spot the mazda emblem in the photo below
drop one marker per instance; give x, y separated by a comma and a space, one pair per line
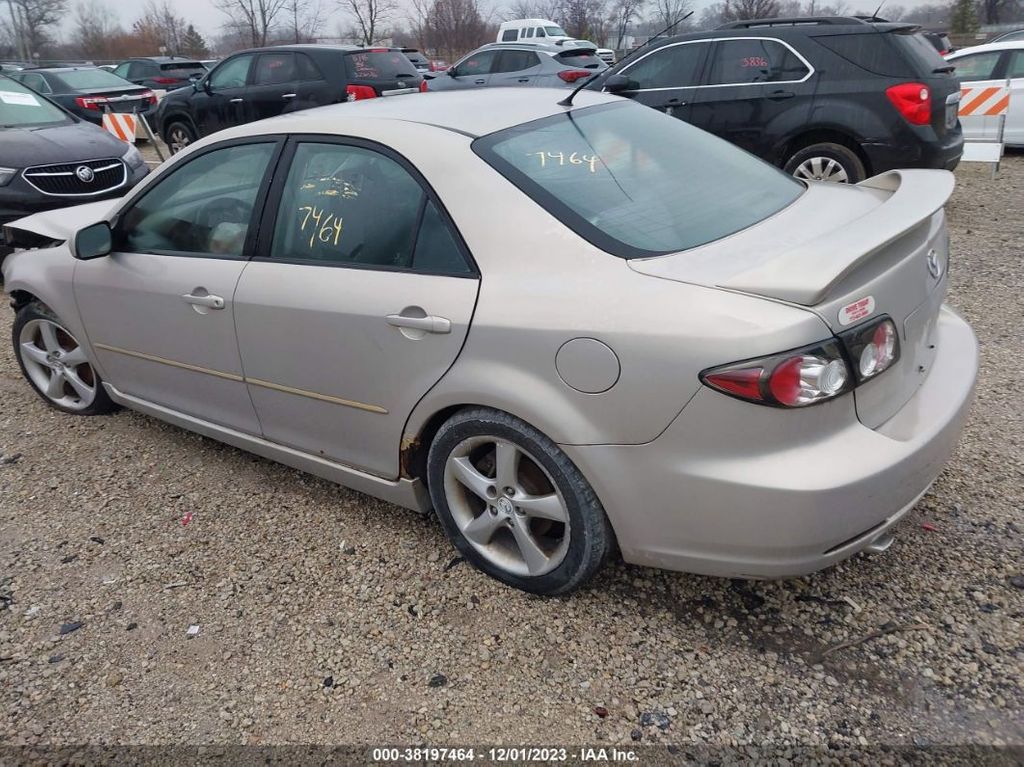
934, 265
85, 174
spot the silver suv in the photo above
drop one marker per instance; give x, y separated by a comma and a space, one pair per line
522, 64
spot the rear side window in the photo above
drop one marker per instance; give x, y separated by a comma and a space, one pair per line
871, 51
919, 52
35, 82
754, 61
516, 61
308, 70
580, 59
675, 66
977, 66
378, 65
636, 182
275, 68
1016, 65
509, 36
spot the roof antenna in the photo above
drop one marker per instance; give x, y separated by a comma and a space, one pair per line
567, 101
874, 16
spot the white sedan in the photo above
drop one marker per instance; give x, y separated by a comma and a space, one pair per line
993, 66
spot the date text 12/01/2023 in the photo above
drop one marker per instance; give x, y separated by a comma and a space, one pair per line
512, 754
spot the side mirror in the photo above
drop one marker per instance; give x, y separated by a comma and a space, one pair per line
451, 72
94, 241
619, 83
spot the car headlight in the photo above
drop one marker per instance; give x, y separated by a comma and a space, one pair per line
133, 157
6, 174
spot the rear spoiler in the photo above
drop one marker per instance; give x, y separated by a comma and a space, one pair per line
806, 274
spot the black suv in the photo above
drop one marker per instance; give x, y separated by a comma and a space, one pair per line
835, 98
162, 73
261, 83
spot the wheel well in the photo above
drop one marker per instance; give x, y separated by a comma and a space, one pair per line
20, 298
176, 117
413, 455
823, 136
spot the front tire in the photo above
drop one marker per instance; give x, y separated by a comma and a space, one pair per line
178, 135
514, 505
55, 364
826, 162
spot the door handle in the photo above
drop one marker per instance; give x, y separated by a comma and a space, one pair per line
524, 79
780, 95
430, 324
479, 82
236, 101
288, 96
208, 301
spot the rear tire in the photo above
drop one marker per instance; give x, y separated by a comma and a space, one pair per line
55, 365
826, 162
178, 135
514, 505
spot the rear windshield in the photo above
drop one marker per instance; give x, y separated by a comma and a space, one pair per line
920, 53
585, 59
20, 106
378, 65
634, 181
182, 70
416, 57
84, 79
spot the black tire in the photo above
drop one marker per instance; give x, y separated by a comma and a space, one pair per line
849, 161
177, 135
590, 536
101, 403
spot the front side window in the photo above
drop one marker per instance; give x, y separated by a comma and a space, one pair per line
476, 63
509, 36
232, 73
350, 205
978, 66
275, 68
754, 61
203, 208
674, 66
636, 182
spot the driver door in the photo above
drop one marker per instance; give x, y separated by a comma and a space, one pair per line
160, 307
474, 71
222, 99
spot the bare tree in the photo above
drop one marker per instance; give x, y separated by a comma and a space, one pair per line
370, 16
93, 30
305, 19
737, 10
33, 21
454, 27
254, 18
624, 13
160, 22
667, 12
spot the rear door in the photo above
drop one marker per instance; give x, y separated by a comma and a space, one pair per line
515, 67
666, 79
752, 84
274, 85
979, 72
1015, 117
313, 89
357, 303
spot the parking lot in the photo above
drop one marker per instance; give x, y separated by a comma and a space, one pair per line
160, 587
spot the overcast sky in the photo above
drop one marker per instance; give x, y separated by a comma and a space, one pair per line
208, 20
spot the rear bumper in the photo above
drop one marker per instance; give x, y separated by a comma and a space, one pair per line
916, 153
739, 490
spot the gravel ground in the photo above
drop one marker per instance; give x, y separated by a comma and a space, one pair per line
325, 616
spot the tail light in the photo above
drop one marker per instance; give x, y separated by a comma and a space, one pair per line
165, 80
423, 87
572, 75
91, 102
913, 101
360, 92
148, 96
812, 374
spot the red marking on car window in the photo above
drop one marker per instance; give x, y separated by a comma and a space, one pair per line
754, 61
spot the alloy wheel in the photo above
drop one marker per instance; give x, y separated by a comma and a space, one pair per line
178, 139
507, 506
822, 169
56, 363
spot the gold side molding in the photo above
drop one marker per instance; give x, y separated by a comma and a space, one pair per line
241, 379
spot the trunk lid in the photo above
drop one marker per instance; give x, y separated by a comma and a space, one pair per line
849, 254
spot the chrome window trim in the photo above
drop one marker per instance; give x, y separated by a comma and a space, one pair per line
25, 174
806, 63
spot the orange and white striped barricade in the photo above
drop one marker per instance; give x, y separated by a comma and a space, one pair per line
980, 104
121, 124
